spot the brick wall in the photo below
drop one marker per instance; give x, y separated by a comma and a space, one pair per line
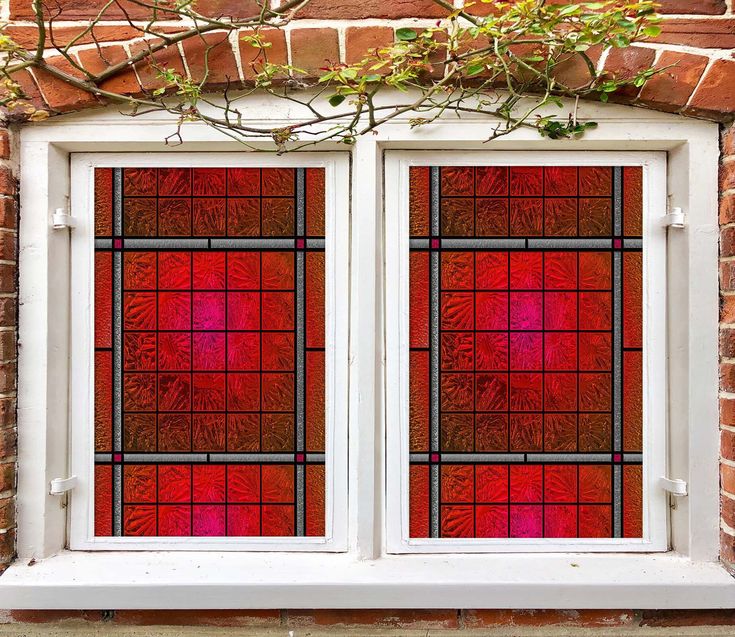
698, 37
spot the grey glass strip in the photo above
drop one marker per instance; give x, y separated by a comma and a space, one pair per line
253, 244
117, 375
434, 351
419, 244
117, 489
103, 244
300, 351
632, 457
618, 501
117, 201
300, 201
570, 244
315, 244
166, 457
617, 352
434, 498
569, 457
300, 500
316, 457
263, 458
434, 177
634, 244
169, 244
618, 200
482, 457
482, 244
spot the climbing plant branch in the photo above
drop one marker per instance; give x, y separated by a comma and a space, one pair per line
514, 65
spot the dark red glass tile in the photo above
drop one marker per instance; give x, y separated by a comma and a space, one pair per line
208, 217
174, 432
174, 270
209, 182
103, 401
139, 520
174, 182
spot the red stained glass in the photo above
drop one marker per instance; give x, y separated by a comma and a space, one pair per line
526, 357
210, 353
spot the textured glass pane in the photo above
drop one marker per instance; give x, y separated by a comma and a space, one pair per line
209, 360
526, 352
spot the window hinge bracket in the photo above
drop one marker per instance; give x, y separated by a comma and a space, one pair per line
675, 219
60, 486
61, 219
674, 487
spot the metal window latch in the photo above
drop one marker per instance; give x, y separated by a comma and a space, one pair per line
675, 219
61, 219
674, 487
60, 486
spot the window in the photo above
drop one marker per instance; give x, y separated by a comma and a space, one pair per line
207, 546
529, 292
211, 289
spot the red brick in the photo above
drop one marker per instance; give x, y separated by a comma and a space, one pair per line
586, 618
47, 616
727, 242
84, 9
361, 42
8, 315
7, 476
360, 9
727, 377
99, 59
727, 309
8, 184
7, 514
714, 97
727, 446
59, 94
7, 413
8, 440
8, 213
727, 510
7, 546
209, 57
8, 274
727, 412
253, 59
727, 478
166, 58
727, 551
222, 618
701, 33
314, 49
728, 141
27, 36
727, 342
671, 89
625, 64
727, 209
8, 350
682, 618
233, 9
727, 175
692, 7
573, 71
405, 619
4, 143
8, 246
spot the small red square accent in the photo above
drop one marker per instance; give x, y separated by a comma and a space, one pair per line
118, 244
118, 457
618, 457
435, 243
435, 457
617, 244
300, 457
300, 244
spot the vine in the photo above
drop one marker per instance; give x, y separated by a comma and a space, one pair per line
511, 65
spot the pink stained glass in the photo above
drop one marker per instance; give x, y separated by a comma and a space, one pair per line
524, 347
200, 351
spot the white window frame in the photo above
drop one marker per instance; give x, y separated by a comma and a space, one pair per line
47, 575
655, 500
337, 174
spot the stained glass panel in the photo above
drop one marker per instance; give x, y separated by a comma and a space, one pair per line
526, 352
209, 352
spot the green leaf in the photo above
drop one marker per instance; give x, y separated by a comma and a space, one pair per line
604, 97
652, 31
474, 69
372, 78
406, 35
336, 99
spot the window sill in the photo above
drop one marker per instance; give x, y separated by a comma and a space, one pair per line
240, 580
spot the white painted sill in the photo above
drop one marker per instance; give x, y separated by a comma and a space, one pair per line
245, 581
